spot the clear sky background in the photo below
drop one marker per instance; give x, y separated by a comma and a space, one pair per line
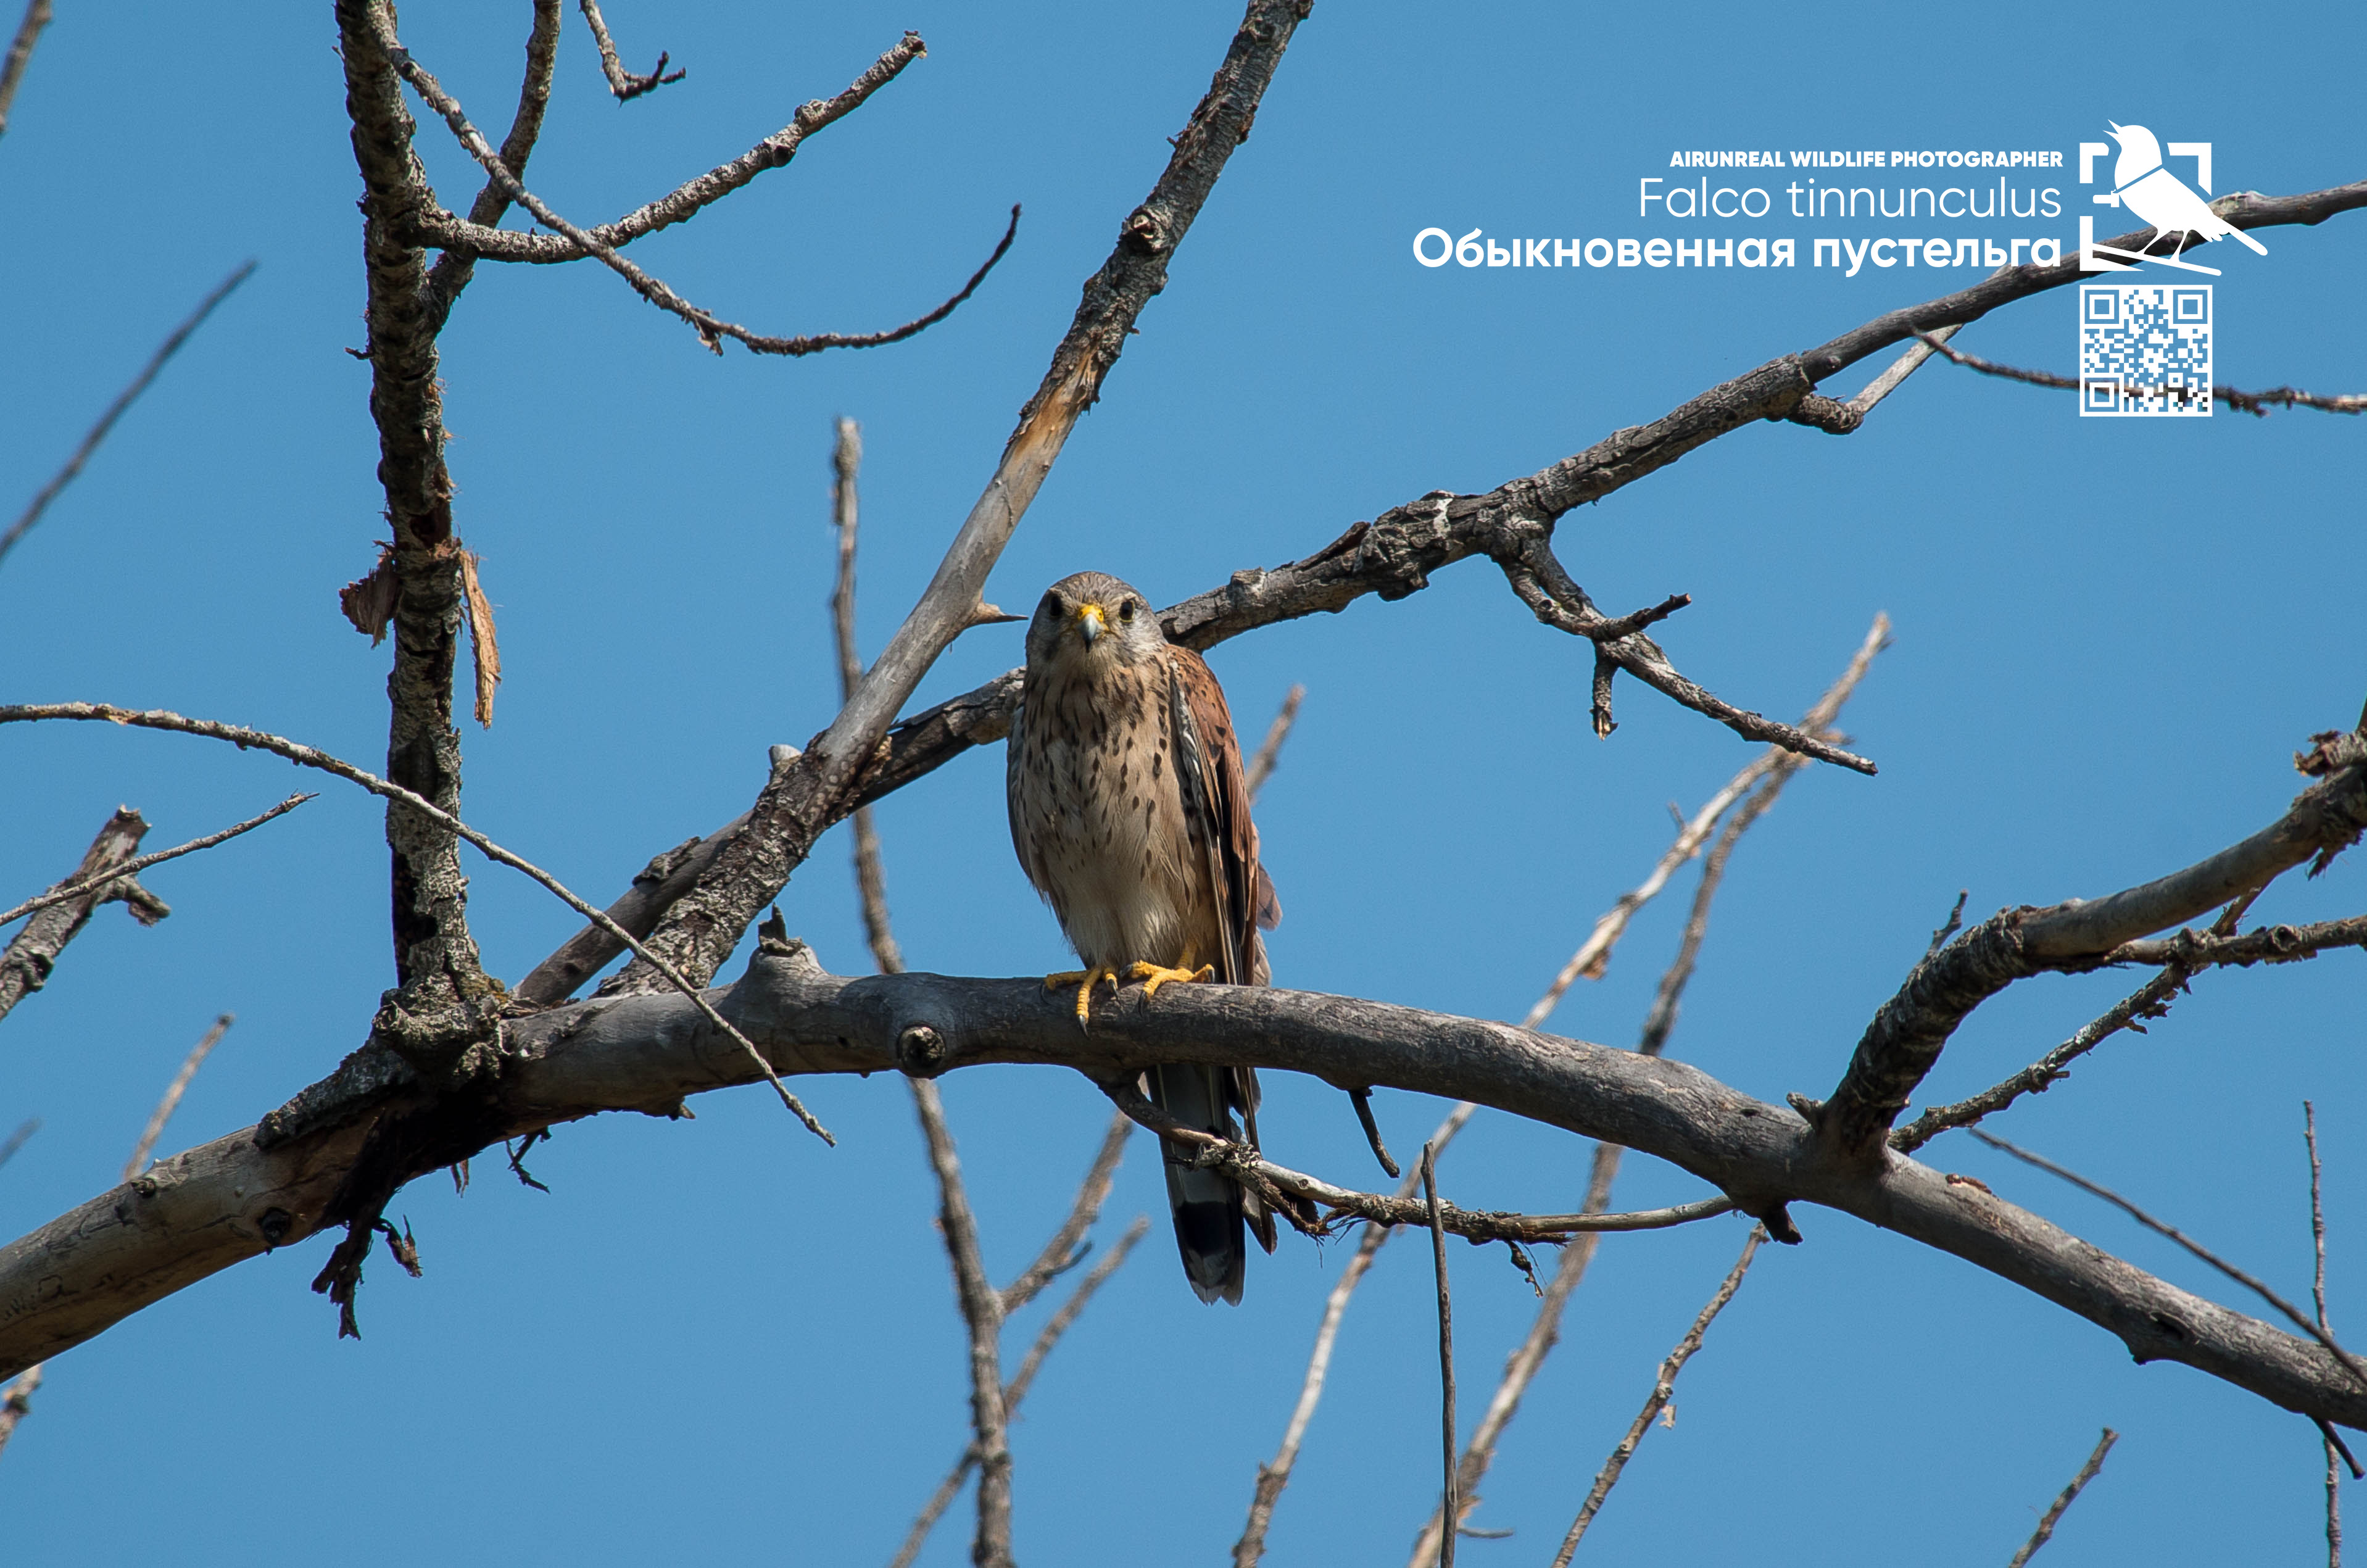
718, 1341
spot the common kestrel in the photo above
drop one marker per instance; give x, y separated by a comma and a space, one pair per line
1130, 816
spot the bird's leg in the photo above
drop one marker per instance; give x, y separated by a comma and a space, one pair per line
1153, 975
1084, 979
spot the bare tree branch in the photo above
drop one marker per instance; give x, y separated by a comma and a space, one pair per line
2045, 1530
1273, 1478
712, 329
2256, 404
16, 1401
1016, 1389
74, 890
2248, 1281
1593, 955
981, 1310
621, 82
453, 270
101, 878
1269, 751
226, 1201
173, 1093
1906, 1036
129, 395
2336, 1453
21, 52
701, 931
312, 756
1067, 1247
1445, 1351
1544, 1329
2150, 1000
1662, 1388
441, 977
16, 1139
870, 881
475, 237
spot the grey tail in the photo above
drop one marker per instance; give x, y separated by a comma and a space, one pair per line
1207, 1204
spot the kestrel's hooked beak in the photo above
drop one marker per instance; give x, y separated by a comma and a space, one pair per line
1091, 622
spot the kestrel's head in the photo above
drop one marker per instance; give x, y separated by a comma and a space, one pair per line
1091, 616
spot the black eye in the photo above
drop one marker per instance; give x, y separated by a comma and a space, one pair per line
1125, 610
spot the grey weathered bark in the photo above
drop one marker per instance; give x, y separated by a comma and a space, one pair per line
1905, 1038
214, 1205
453, 270
66, 893
26, 963
445, 1010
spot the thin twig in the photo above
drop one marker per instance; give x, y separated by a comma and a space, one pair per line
1269, 752
2338, 1453
1954, 924
16, 1401
21, 50
313, 757
870, 881
1445, 1349
1594, 953
2248, 402
2150, 1000
133, 868
712, 329
1544, 1329
124, 399
1662, 1388
1016, 1389
33, 952
1068, 1245
1293, 1193
2248, 1281
16, 1139
1909, 360
981, 1311
2045, 1530
173, 1093
621, 82
1273, 1478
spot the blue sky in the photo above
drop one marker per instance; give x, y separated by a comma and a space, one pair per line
719, 1341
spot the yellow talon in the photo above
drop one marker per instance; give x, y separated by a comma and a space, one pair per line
1154, 977
1084, 979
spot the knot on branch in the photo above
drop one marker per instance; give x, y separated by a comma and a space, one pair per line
1832, 416
1145, 231
448, 1041
921, 1051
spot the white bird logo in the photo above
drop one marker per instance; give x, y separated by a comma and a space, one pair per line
2143, 186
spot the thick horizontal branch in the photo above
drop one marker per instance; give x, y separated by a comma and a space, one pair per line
210, 1207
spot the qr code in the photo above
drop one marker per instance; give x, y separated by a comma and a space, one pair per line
2144, 349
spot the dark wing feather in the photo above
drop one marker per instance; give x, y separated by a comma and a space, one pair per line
1211, 757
